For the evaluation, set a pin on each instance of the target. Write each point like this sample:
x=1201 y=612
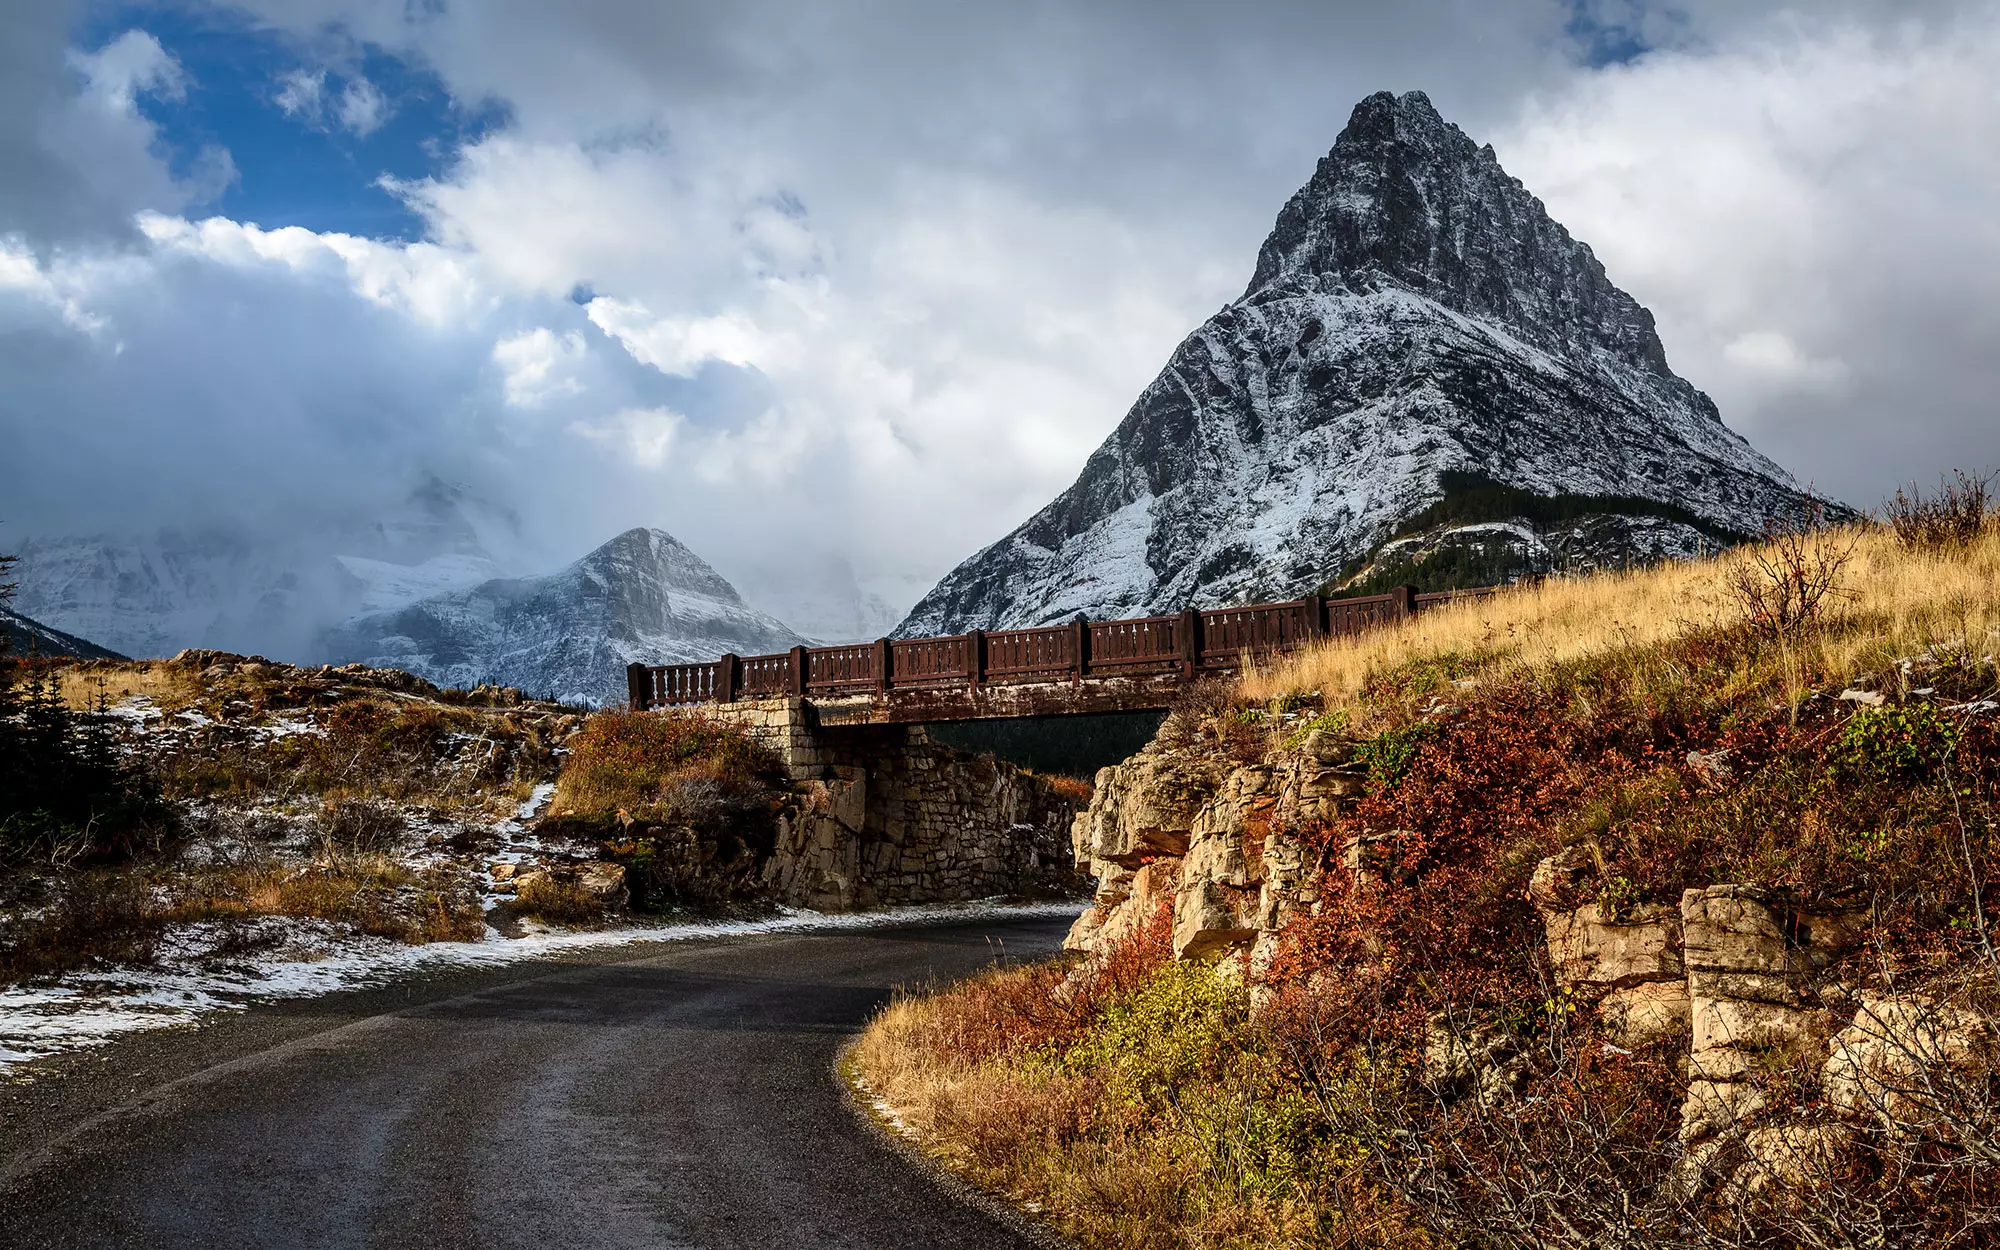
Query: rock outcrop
x=1209 y=838
x=1738 y=974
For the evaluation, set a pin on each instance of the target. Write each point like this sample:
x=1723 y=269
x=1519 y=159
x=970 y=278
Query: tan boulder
x=1588 y=948
x=1640 y=1015
x=604 y=882
x=1906 y=1060
x=1210 y=916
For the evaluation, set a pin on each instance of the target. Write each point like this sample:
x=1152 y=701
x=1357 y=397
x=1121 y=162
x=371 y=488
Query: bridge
x=1076 y=668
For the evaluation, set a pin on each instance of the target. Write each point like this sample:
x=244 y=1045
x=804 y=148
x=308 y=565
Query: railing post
x=725 y=678
x=975 y=656
x=638 y=686
x=1079 y=647
x=1190 y=639
x=1406 y=600
x=884 y=656
x=1315 y=616
x=801 y=670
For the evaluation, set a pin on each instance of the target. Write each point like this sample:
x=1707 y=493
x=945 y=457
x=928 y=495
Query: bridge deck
x=1080 y=667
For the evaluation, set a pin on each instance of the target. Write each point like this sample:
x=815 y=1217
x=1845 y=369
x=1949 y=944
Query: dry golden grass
x=1893 y=602
x=167 y=686
x=377 y=894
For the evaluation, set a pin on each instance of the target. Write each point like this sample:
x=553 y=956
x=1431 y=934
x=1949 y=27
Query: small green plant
x=1616 y=897
x=1904 y=743
x=1178 y=1024
x=1388 y=755
x=1333 y=724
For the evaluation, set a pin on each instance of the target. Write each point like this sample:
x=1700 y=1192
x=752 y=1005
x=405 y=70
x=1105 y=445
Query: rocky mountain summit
x=642 y=596
x=1417 y=329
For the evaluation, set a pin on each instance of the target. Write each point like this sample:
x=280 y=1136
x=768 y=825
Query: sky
x=796 y=279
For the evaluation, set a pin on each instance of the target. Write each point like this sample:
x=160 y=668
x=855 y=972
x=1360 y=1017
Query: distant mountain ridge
x=1414 y=314
x=643 y=596
x=247 y=589
x=30 y=637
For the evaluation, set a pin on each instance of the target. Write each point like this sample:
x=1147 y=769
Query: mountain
x=642 y=596
x=1418 y=335
x=269 y=589
x=818 y=593
x=30 y=637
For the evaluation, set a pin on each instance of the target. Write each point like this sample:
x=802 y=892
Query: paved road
x=679 y=1097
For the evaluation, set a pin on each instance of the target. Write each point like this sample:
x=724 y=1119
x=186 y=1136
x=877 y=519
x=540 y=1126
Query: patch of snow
x=196 y=975
x=536 y=801
x=138 y=711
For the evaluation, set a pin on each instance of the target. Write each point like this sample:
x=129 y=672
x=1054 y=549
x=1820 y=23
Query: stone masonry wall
x=881 y=815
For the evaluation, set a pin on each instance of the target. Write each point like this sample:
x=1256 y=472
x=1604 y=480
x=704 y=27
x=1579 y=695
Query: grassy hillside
x=1809 y=721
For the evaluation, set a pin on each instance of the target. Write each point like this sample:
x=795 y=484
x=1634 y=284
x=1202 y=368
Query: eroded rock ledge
x=1743 y=977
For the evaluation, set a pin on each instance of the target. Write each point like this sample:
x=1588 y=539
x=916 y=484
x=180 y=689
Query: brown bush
x=373 y=893
x=1075 y=789
x=654 y=766
x=546 y=898
x=348 y=825
x=89 y=919
x=1951 y=517
x=1784 y=585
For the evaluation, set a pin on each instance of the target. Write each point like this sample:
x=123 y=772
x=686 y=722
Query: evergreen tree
x=63 y=782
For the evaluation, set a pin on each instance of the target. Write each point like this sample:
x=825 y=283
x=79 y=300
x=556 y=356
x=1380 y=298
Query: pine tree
x=62 y=778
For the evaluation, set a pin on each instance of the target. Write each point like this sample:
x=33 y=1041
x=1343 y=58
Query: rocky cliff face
x=1414 y=314
x=640 y=597
x=1736 y=974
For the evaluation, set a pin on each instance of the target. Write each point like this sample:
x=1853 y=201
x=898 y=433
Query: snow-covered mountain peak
x=1407 y=199
x=1415 y=319
x=643 y=596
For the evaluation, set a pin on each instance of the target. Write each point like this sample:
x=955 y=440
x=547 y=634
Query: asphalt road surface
x=671 y=1096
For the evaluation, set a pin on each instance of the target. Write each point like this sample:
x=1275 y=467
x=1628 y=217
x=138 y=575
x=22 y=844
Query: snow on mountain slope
x=640 y=597
x=271 y=590
x=1414 y=314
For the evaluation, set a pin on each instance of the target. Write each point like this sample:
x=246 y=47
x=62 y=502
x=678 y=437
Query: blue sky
x=315 y=124
x=312 y=126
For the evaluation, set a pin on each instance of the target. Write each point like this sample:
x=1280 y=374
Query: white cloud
x=680 y=345
x=131 y=65
x=782 y=285
x=360 y=108
x=645 y=435
x=1808 y=213
x=303 y=93
x=539 y=365
x=363 y=108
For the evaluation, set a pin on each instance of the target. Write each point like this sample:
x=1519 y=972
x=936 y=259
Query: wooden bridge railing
x=1186 y=644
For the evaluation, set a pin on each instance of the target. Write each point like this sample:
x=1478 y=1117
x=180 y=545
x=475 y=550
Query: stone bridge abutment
x=880 y=815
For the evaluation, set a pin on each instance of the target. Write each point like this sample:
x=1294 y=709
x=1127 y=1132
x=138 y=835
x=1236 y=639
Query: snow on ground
x=195 y=973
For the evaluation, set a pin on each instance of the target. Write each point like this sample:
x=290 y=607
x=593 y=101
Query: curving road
x=676 y=1095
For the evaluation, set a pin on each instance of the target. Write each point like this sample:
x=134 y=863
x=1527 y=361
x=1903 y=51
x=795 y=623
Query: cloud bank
x=804 y=284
